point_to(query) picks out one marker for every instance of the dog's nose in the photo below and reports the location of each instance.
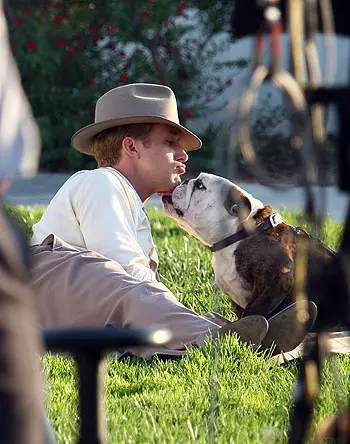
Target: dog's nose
(185, 182)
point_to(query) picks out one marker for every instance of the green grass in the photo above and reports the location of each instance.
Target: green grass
(224, 393)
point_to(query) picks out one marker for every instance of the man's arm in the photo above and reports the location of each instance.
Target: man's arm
(107, 222)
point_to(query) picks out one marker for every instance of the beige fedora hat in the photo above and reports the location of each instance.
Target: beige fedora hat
(135, 103)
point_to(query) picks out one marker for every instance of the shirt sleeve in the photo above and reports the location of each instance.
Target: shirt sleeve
(107, 222)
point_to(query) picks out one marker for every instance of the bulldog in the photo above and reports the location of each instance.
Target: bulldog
(253, 249)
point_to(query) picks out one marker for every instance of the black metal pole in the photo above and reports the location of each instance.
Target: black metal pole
(88, 363)
(305, 395)
(304, 402)
(88, 345)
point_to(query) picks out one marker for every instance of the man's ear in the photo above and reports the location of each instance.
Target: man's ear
(236, 204)
(129, 147)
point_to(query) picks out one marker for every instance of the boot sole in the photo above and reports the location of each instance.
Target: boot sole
(286, 332)
(251, 330)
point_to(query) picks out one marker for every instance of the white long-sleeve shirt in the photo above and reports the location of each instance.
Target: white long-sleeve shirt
(101, 211)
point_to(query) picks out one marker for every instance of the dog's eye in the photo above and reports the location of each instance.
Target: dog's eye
(199, 184)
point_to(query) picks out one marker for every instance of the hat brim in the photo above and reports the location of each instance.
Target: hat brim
(81, 140)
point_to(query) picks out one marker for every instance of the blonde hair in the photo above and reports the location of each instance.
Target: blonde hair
(106, 147)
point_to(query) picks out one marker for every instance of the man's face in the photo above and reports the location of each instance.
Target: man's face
(162, 159)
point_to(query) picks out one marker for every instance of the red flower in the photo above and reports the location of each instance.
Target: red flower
(122, 53)
(60, 43)
(92, 29)
(259, 123)
(188, 113)
(25, 11)
(182, 6)
(123, 77)
(151, 1)
(229, 82)
(78, 116)
(147, 15)
(57, 19)
(111, 29)
(31, 45)
(71, 50)
(19, 20)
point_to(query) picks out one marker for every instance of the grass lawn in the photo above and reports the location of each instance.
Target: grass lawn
(224, 393)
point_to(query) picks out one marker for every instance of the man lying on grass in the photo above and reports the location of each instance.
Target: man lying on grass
(94, 259)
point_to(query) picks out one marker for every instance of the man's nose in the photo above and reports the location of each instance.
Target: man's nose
(181, 156)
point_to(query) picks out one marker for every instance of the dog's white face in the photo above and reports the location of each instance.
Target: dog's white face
(210, 207)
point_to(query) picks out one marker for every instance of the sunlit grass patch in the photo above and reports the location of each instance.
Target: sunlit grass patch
(225, 393)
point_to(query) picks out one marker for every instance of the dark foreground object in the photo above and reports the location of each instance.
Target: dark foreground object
(247, 16)
(88, 346)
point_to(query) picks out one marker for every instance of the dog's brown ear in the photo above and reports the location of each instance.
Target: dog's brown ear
(236, 204)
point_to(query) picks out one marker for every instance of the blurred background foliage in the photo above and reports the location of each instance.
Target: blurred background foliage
(71, 52)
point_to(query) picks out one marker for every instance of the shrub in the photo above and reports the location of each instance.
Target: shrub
(69, 53)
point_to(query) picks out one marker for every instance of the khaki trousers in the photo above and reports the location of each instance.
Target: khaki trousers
(77, 287)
